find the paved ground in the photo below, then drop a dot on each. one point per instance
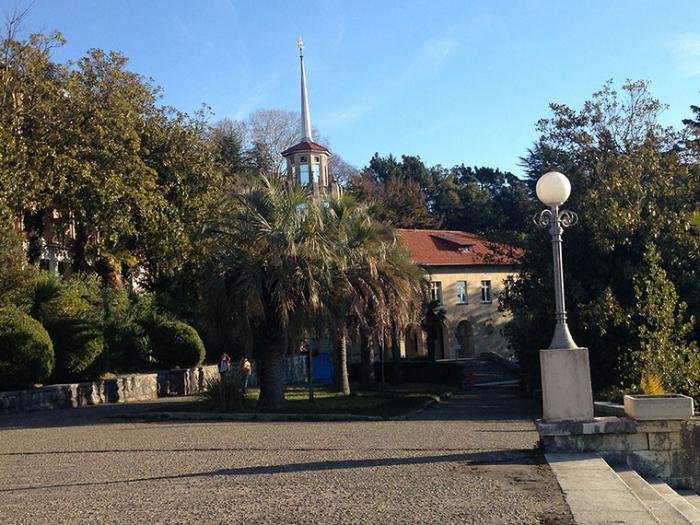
(470, 460)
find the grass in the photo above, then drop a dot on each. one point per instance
(390, 402)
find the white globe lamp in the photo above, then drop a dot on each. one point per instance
(553, 189)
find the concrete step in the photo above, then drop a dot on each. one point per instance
(664, 511)
(675, 499)
(690, 496)
(595, 493)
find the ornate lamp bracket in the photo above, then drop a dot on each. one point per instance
(565, 218)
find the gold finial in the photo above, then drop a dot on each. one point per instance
(300, 43)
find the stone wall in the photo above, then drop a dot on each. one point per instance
(122, 389)
(133, 387)
(136, 387)
(185, 381)
(664, 449)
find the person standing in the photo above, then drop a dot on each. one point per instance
(224, 364)
(245, 369)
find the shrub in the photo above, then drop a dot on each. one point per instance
(225, 394)
(126, 342)
(53, 298)
(72, 312)
(26, 351)
(651, 384)
(77, 343)
(175, 343)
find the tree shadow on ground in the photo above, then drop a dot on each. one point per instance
(478, 404)
(501, 457)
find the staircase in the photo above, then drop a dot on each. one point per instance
(484, 372)
(598, 494)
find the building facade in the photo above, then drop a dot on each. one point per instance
(466, 275)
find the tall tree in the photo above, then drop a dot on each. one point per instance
(631, 185)
(273, 265)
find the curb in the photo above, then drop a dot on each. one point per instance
(244, 417)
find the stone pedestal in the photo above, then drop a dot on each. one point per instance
(566, 385)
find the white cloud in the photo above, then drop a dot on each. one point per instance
(685, 50)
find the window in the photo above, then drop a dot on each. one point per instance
(462, 292)
(485, 291)
(304, 174)
(436, 291)
(315, 172)
(302, 159)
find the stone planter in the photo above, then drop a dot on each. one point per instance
(669, 406)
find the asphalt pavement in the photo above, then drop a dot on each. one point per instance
(472, 459)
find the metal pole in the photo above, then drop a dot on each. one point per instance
(381, 357)
(310, 370)
(557, 220)
(562, 337)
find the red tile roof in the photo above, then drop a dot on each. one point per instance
(456, 248)
(305, 145)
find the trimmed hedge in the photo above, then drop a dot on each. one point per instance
(26, 350)
(175, 343)
(417, 371)
(77, 343)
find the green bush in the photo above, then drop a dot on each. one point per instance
(77, 343)
(226, 394)
(26, 351)
(174, 343)
(72, 312)
(126, 342)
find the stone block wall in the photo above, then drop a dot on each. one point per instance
(133, 387)
(185, 381)
(662, 449)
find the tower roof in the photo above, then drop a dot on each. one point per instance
(305, 145)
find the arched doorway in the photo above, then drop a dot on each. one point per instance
(465, 338)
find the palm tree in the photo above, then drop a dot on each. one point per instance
(357, 241)
(381, 289)
(274, 264)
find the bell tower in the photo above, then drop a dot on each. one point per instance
(307, 161)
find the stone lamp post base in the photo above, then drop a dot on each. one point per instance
(566, 385)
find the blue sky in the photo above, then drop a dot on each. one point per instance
(451, 81)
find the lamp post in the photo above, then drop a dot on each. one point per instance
(553, 189)
(565, 367)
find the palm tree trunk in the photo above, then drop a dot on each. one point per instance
(341, 380)
(396, 378)
(367, 360)
(272, 375)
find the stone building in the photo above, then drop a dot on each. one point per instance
(467, 274)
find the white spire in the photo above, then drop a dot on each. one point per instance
(305, 117)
